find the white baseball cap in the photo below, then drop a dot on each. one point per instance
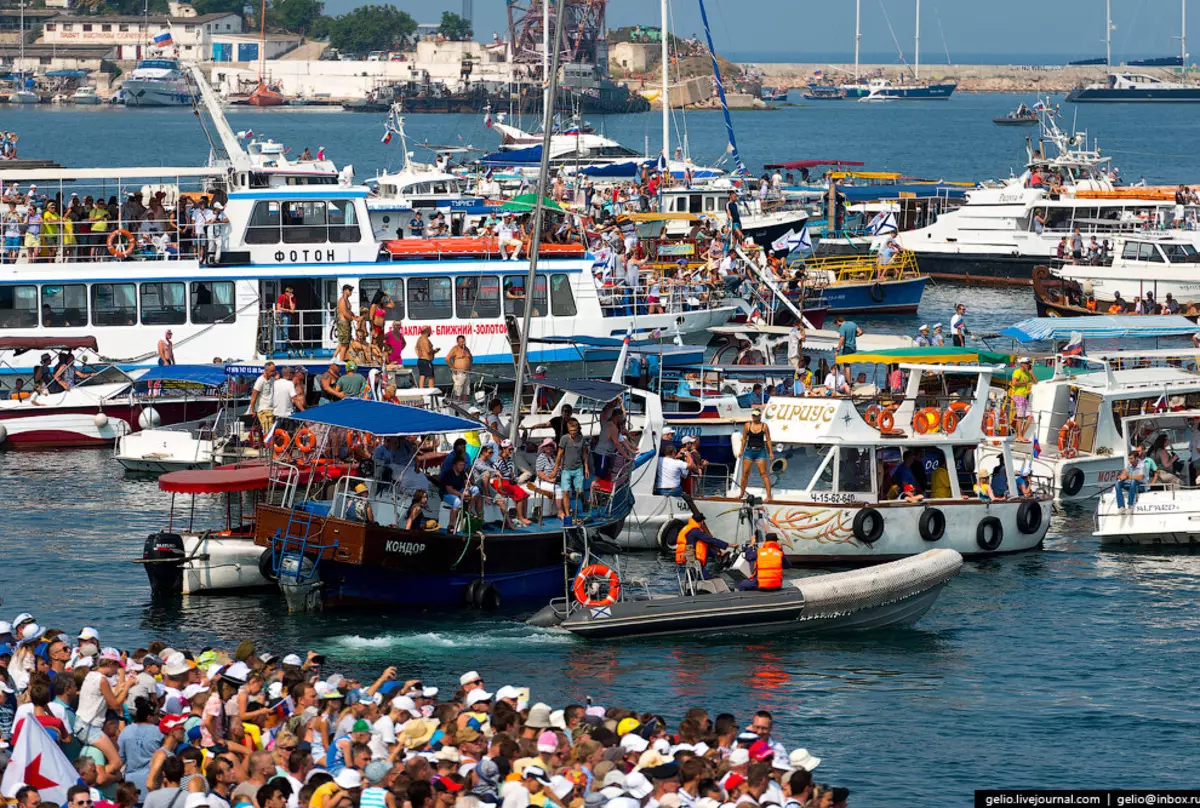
(348, 778)
(469, 677)
(89, 633)
(508, 692)
(292, 659)
(801, 759)
(476, 696)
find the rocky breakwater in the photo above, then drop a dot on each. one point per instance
(970, 78)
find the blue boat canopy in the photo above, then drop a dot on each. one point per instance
(67, 74)
(1106, 326)
(594, 389)
(385, 420)
(590, 345)
(207, 375)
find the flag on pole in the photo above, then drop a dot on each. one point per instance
(801, 241)
(661, 167)
(37, 761)
(1037, 446)
(883, 222)
(387, 137)
(164, 39)
(784, 241)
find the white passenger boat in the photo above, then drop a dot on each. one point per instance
(1160, 264)
(833, 500)
(1076, 413)
(1163, 512)
(158, 82)
(85, 96)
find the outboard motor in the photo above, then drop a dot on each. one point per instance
(164, 554)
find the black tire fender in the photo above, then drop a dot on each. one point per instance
(486, 596)
(471, 593)
(868, 525)
(989, 534)
(1029, 517)
(668, 534)
(1072, 481)
(878, 294)
(266, 564)
(932, 525)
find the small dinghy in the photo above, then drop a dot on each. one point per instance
(1021, 116)
(888, 595)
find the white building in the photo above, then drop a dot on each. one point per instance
(132, 37)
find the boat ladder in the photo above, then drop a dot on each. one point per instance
(297, 548)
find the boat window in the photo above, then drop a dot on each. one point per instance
(18, 306)
(854, 470)
(304, 222)
(163, 304)
(264, 224)
(514, 296)
(1130, 251)
(696, 204)
(64, 306)
(803, 463)
(114, 304)
(392, 287)
(1148, 252)
(710, 203)
(1179, 252)
(478, 297)
(213, 302)
(343, 222)
(562, 302)
(430, 299)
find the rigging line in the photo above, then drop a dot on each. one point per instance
(892, 31)
(942, 33)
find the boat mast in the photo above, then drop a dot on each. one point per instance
(917, 46)
(666, 105)
(1183, 54)
(262, 42)
(1108, 33)
(545, 54)
(535, 241)
(857, 34)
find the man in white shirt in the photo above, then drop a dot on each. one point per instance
(958, 325)
(262, 400)
(671, 471)
(281, 395)
(836, 382)
(506, 237)
(795, 345)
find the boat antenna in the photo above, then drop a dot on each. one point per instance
(539, 208)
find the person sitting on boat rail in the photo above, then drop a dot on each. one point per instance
(767, 563)
(505, 481)
(509, 238)
(836, 382)
(454, 488)
(1129, 481)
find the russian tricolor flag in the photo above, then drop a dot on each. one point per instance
(164, 39)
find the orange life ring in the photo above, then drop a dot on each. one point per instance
(306, 440)
(886, 421)
(949, 421)
(926, 420)
(279, 442)
(597, 571)
(872, 415)
(994, 426)
(960, 407)
(116, 251)
(1068, 439)
(21, 396)
(353, 439)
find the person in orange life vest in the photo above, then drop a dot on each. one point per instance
(693, 542)
(768, 565)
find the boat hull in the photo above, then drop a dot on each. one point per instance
(1158, 517)
(979, 268)
(82, 426)
(882, 297)
(1086, 95)
(927, 92)
(150, 93)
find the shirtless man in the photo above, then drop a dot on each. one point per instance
(460, 360)
(166, 350)
(345, 322)
(425, 354)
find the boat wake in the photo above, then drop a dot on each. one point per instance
(480, 637)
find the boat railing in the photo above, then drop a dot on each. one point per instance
(673, 298)
(302, 332)
(864, 268)
(283, 480)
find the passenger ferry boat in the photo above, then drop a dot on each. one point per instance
(1159, 264)
(833, 499)
(303, 230)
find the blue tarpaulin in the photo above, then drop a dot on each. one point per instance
(378, 418)
(1107, 326)
(208, 375)
(531, 155)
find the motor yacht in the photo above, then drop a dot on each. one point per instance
(158, 82)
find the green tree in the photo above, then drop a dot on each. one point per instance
(455, 28)
(219, 6)
(369, 28)
(294, 15)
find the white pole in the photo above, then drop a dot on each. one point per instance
(546, 58)
(857, 34)
(666, 87)
(1108, 33)
(917, 46)
(1183, 56)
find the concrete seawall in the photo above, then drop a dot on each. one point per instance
(970, 78)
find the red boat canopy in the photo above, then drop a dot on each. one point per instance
(798, 164)
(22, 344)
(216, 481)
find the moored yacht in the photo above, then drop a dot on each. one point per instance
(1136, 87)
(158, 82)
(1146, 263)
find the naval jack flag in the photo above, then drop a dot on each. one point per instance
(784, 241)
(37, 761)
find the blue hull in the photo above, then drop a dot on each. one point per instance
(351, 584)
(884, 297)
(922, 93)
(1103, 94)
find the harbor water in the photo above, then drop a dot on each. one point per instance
(1067, 667)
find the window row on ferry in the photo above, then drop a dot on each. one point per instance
(468, 298)
(332, 221)
(78, 305)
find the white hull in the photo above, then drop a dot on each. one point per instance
(155, 93)
(162, 450)
(1099, 472)
(221, 564)
(1158, 517)
(24, 97)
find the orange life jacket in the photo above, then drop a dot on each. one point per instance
(681, 544)
(769, 566)
(1091, 304)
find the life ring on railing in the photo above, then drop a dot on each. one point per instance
(21, 396)
(961, 408)
(354, 439)
(872, 415)
(306, 440)
(886, 421)
(597, 571)
(994, 426)
(949, 421)
(279, 442)
(1068, 439)
(118, 252)
(927, 420)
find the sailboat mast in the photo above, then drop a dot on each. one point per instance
(857, 34)
(666, 99)
(1108, 33)
(545, 54)
(917, 46)
(1183, 36)
(262, 42)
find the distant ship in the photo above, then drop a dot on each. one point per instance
(1126, 87)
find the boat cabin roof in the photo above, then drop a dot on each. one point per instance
(22, 344)
(1104, 326)
(216, 481)
(385, 420)
(1138, 380)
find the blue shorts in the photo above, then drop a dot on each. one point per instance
(12, 242)
(453, 501)
(754, 454)
(572, 479)
(425, 367)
